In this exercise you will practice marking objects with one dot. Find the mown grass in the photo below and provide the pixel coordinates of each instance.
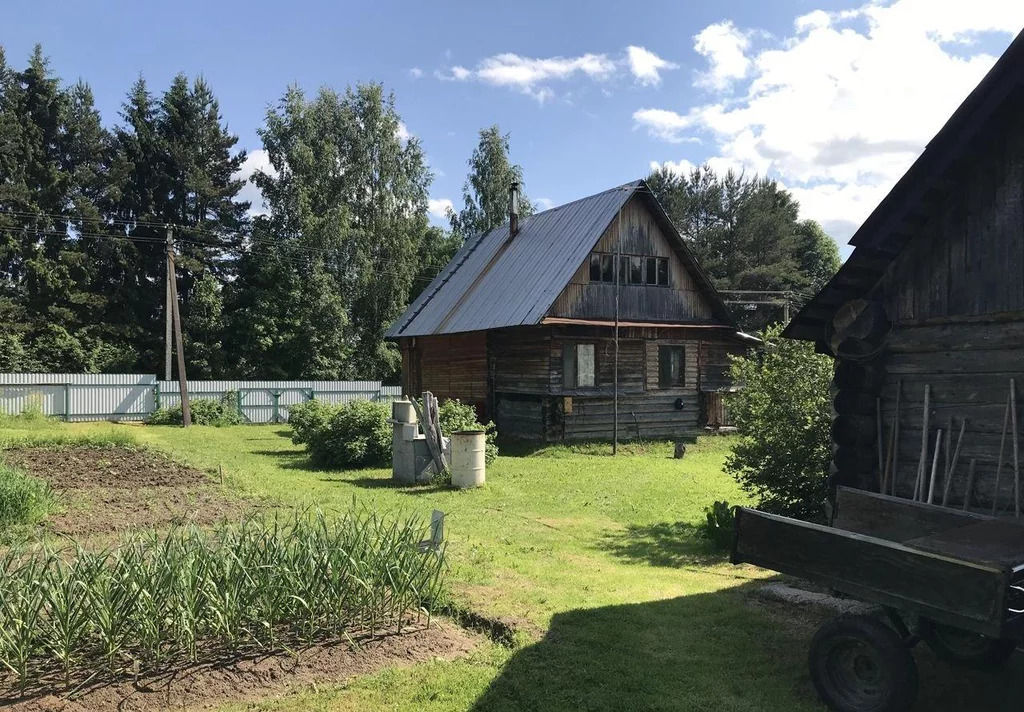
(594, 558)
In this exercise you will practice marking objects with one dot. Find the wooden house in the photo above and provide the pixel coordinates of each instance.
(522, 324)
(932, 301)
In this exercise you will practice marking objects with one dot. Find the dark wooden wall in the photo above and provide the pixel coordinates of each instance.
(968, 258)
(681, 301)
(956, 297)
(449, 366)
(532, 402)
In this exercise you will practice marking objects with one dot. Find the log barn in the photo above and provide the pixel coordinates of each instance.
(930, 306)
(522, 324)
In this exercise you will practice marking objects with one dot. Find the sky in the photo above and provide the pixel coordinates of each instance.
(833, 98)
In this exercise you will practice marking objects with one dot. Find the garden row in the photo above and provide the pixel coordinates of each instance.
(158, 599)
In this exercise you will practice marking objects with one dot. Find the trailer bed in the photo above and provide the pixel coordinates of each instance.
(952, 567)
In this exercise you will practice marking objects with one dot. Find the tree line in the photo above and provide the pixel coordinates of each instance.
(305, 289)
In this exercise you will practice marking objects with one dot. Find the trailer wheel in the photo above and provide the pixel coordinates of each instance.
(965, 649)
(859, 664)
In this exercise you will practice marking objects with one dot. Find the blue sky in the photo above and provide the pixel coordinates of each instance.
(833, 98)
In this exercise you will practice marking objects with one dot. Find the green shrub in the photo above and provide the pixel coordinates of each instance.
(455, 415)
(718, 525)
(358, 434)
(23, 499)
(205, 411)
(309, 420)
(784, 414)
(355, 434)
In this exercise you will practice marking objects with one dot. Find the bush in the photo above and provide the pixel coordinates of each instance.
(784, 414)
(455, 415)
(309, 420)
(358, 434)
(718, 525)
(355, 434)
(205, 411)
(23, 499)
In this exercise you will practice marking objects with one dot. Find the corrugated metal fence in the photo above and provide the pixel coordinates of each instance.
(134, 396)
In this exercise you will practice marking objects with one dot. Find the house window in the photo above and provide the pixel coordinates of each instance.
(578, 366)
(671, 363)
(632, 269)
(636, 271)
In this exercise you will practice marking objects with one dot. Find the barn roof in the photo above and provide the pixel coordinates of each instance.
(494, 282)
(906, 208)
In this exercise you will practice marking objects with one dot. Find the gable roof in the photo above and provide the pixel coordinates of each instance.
(899, 216)
(494, 282)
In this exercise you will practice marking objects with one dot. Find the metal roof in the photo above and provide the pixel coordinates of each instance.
(900, 215)
(494, 282)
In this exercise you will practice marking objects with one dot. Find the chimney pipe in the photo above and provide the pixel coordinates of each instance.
(513, 209)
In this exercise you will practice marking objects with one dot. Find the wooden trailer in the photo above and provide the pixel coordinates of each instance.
(926, 322)
(952, 578)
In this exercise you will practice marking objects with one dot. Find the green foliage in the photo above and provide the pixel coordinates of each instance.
(205, 411)
(784, 413)
(348, 194)
(23, 499)
(157, 600)
(343, 435)
(486, 190)
(746, 234)
(454, 415)
(719, 525)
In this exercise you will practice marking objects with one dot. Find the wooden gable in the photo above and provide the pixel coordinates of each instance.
(681, 301)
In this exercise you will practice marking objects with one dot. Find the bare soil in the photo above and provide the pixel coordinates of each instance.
(209, 686)
(106, 490)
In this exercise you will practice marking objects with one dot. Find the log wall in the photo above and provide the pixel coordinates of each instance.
(956, 297)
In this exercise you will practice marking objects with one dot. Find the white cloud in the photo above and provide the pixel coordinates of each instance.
(415, 72)
(534, 75)
(838, 111)
(664, 124)
(439, 207)
(725, 48)
(255, 160)
(646, 66)
(402, 133)
(543, 203)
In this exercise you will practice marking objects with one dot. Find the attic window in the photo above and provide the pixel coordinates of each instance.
(633, 269)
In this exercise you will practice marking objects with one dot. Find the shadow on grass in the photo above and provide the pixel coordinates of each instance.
(661, 544)
(712, 651)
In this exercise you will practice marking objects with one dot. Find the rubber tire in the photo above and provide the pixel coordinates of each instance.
(993, 653)
(881, 663)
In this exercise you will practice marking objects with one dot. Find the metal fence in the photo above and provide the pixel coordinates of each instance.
(79, 397)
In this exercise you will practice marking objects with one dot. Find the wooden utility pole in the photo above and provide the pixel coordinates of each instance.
(168, 332)
(615, 377)
(186, 410)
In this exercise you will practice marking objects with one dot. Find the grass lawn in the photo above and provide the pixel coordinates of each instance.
(594, 558)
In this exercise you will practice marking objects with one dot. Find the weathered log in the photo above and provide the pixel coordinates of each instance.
(848, 401)
(853, 430)
(867, 378)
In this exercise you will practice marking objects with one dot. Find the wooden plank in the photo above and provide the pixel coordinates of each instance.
(894, 518)
(964, 594)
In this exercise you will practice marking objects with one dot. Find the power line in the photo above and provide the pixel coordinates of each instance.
(375, 263)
